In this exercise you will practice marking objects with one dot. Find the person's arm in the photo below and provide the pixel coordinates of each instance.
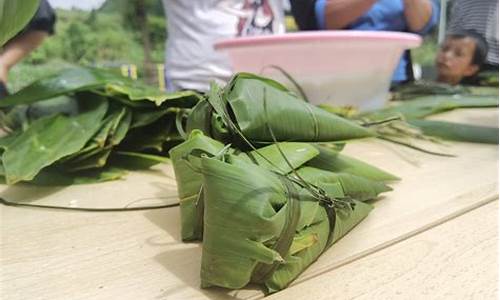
(18, 48)
(40, 26)
(340, 13)
(418, 14)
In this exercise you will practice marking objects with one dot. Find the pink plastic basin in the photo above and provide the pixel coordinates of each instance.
(346, 68)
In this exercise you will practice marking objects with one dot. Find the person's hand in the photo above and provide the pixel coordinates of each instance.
(417, 14)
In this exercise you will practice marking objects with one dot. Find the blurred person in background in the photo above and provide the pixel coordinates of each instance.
(32, 36)
(482, 17)
(195, 25)
(415, 16)
(460, 57)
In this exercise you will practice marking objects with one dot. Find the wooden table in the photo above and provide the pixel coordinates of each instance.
(434, 237)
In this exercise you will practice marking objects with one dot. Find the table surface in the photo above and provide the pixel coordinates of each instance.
(434, 236)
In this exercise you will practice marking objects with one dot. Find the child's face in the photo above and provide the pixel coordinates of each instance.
(454, 59)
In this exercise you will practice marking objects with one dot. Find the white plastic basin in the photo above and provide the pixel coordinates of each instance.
(345, 68)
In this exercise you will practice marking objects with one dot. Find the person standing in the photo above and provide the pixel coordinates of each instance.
(194, 26)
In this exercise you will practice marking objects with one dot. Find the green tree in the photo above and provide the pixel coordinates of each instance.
(76, 41)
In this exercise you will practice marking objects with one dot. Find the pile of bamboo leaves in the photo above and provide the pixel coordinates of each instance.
(263, 184)
(404, 121)
(427, 99)
(85, 125)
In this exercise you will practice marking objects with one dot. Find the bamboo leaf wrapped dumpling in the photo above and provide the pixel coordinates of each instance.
(189, 180)
(256, 106)
(261, 227)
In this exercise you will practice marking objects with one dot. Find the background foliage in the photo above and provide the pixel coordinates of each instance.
(101, 36)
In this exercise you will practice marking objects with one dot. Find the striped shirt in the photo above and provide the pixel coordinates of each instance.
(481, 16)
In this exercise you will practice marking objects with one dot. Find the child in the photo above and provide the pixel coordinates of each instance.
(460, 57)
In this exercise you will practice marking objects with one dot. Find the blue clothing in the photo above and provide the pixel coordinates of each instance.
(384, 15)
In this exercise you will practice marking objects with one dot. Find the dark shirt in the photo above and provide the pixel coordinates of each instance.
(43, 20)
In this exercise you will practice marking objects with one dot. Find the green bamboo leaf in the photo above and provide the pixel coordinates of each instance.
(296, 153)
(14, 15)
(5, 141)
(427, 88)
(200, 118)
(19, 117)
(85, 153)
(357, 187)
(333, 161)
(301, 242)
(135, 161)
(118, 133)
(67, 81)
(77, 79)
(136, 91)
(189, 181)
(113, 116)
(98, 141)
(55, 177)
(51, 138)
(98, 159)
(425, 106)
(144, 117)
(152, 137)
(458, 131)
(267, 81)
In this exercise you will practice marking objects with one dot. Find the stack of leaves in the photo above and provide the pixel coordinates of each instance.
(419, 107)
(429, 88)
(86, 124)
(261, 184)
